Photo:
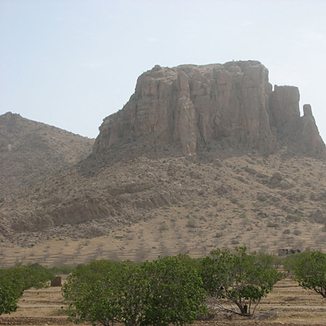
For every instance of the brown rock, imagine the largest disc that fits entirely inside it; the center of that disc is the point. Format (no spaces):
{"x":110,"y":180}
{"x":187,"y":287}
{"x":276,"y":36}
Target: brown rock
{"x":218,"y":163}
{"x":284,"y":107}
{"x":222,"y":190}
{"x":307,"y":112}
{"x":191,"y":106}
{"x":276,"y":179}
{"x":297,"y":232}
{"x":309,"y":138}
{"x":187,"y":109}
{"x":318,"y":216}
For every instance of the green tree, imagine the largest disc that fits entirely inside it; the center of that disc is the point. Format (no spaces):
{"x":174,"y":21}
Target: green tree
{"x":132,"y":293}
{"x":176,"y":295}
{"x":163,"y":292}
{"x":8,"y":299}
{"x":92,"y":293}
{"x":15,"y":280}
{"x":240,"y":278}
{"x":309,"y":270}
{"x":31,"y":275}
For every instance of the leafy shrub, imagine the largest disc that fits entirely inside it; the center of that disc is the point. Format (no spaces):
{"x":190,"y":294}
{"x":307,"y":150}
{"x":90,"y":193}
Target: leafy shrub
{"x":162,"y":292}
{"x":176,"y":292}
{"x":238,"y":277}
{"x":309,"y":270}
{"x":15,"y":280}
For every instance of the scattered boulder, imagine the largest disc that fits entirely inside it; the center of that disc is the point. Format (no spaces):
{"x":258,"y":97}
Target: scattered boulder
{"x":251,"y":171}
{"x":271,"y":224}
{"x":297,"y":232}
{"x":218,"y":163}
{"x":261,"y":175}
{"x":295,"y":196}
{"x":262,"y":214}
{"x":318,"y":197}
{"x":275,"y":179}
{"x":292,"y":218}
{"x":262,"y":197}
{"x":285,"y":185}
{"x":318,"y":216}
{"x":222,"y":190}
{"x":218,"y":234}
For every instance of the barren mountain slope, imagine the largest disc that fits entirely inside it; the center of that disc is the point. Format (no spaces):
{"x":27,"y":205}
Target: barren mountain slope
{"x":145,"y":208}
{"x":30,"y":150}
{"x":201,"y":156}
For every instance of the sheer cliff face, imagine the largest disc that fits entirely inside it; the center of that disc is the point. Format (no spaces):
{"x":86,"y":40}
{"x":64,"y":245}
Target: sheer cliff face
{"x":194,"y":107}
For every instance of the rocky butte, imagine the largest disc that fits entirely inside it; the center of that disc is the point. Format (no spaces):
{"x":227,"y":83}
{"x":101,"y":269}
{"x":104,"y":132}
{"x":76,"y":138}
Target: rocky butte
{"x":177,"y":123}
{"x":210,"y":110}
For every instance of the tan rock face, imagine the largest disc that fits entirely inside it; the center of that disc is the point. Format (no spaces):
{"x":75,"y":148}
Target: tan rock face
{"x":284,"y":107}
{"x":310,"y":140}
{"x":192,"y":107}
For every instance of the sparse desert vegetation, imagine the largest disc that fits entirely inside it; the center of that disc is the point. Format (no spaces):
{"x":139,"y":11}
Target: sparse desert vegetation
{"x":197,"y":214}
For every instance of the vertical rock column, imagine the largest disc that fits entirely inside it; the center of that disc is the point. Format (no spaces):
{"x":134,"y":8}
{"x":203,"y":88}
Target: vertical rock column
{"x":185,"y":129}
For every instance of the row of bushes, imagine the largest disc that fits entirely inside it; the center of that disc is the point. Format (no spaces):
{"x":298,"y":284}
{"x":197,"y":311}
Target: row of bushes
{"x":173,"y":290}
{"x":162,"y":292}
{"x":170,"y":290}
{"x":308,"y":268}
{"x":15,"y":280}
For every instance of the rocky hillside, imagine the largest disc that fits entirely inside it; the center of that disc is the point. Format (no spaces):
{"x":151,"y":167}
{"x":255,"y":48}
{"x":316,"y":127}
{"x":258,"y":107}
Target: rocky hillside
{"x":201,"y":156}
{"x":148,"y":207}
{"x":31,"y":150}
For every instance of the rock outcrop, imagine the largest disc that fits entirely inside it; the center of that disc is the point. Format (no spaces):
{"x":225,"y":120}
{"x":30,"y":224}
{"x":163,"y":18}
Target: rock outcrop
{"x":215,"y":107}
{"x":175,"y":142}
{"x":310,"y":140}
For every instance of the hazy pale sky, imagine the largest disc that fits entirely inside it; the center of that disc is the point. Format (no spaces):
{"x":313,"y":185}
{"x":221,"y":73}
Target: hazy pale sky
{"x":71,"y":63}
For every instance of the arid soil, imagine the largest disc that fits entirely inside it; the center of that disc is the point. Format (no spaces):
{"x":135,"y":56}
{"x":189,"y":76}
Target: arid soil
{"x":207,"y":206}
{"x":288,"y":304}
